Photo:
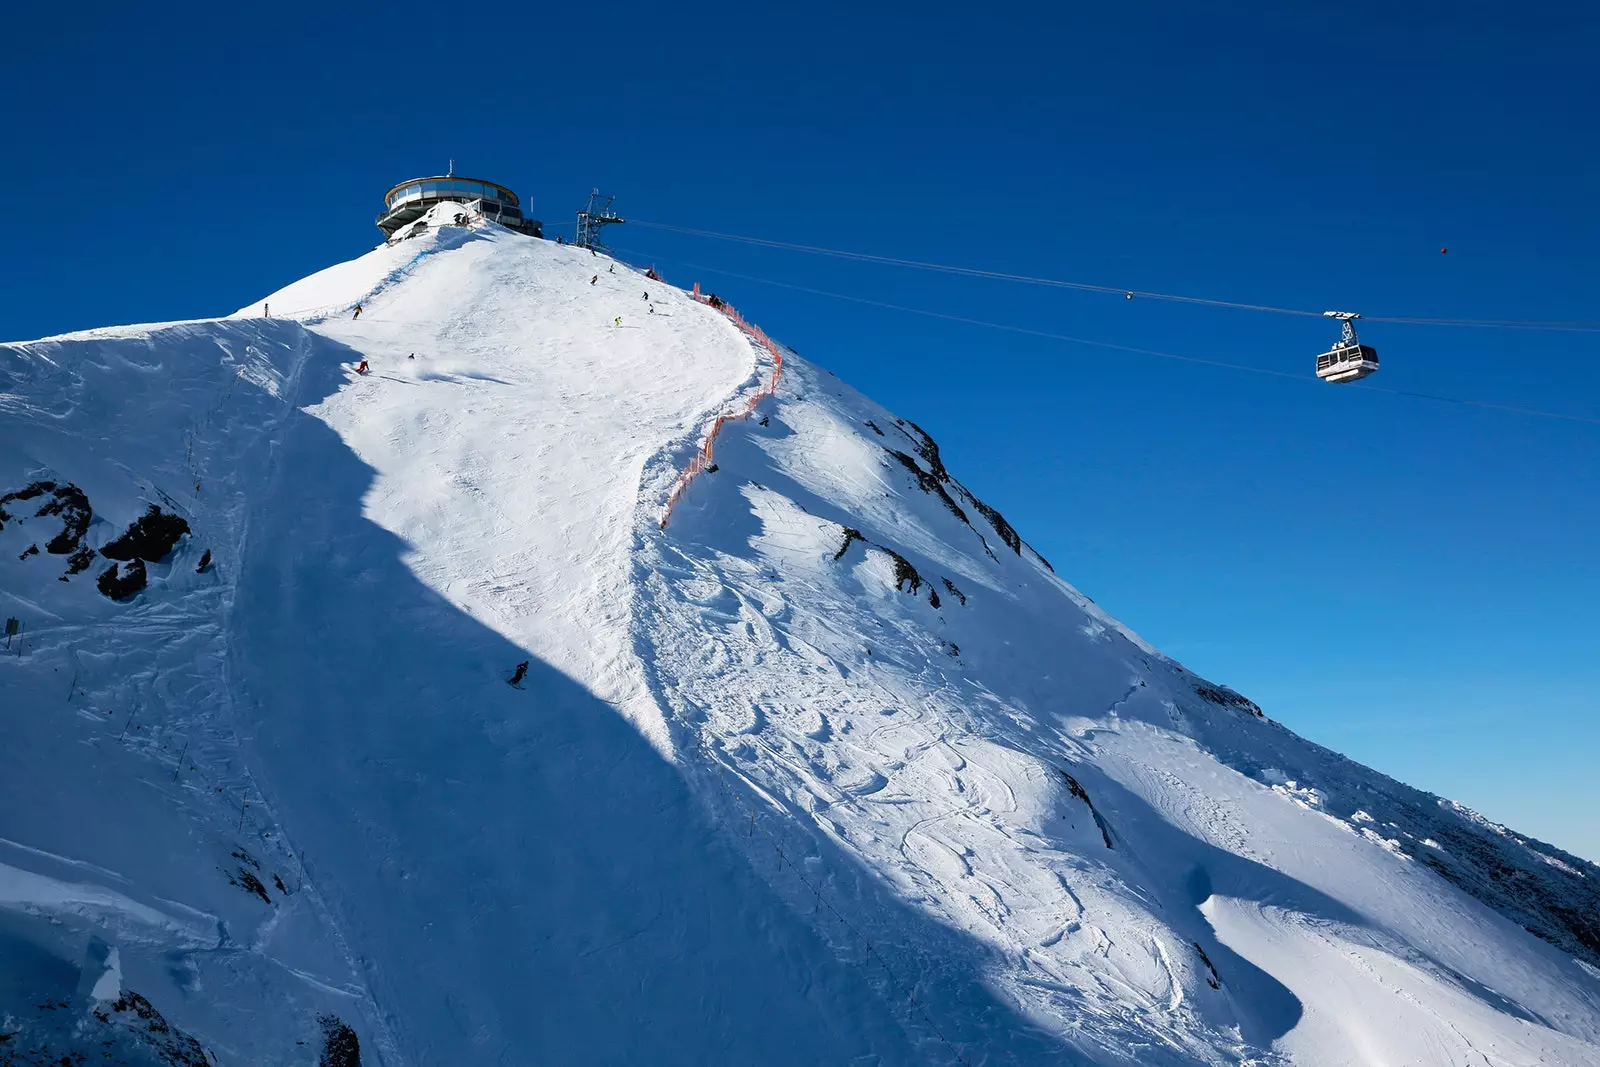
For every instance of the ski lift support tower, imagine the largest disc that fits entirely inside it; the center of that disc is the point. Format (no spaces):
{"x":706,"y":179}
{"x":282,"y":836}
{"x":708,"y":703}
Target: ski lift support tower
{"x":596,"y":217}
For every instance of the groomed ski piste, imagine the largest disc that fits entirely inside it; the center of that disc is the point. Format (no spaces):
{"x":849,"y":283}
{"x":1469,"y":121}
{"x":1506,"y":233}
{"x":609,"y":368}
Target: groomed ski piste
{"x":830,"y":768}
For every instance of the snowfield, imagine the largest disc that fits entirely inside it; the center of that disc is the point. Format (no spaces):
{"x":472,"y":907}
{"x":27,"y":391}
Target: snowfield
{"x":831,"y":769}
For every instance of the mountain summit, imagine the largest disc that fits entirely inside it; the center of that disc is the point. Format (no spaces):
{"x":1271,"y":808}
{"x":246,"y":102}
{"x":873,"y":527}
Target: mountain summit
{"x":824,"y":766}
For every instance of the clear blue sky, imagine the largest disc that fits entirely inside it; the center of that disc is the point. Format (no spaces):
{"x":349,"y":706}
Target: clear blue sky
{"x":1413,"y":583}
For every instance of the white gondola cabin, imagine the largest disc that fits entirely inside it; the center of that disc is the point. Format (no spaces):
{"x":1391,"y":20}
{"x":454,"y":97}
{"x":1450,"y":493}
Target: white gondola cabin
{"x":1349,"y":359}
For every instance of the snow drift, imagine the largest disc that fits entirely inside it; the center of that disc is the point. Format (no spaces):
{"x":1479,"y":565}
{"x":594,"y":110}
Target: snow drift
{"x":832,"y":769}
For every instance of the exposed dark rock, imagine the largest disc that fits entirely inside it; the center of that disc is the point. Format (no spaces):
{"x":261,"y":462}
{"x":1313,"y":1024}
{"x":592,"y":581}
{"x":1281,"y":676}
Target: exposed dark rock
{"x":937,"y":477}
{"x":851,"y":535}
{"x":906,"y":577}
{"x":928,"y":449}
{"x":874,"y":427}
{"x":1556,"y":903}
{"x":37,"y":489}
{"x":79,"y":561}
{"x":70,"y":505}
{"x":68,"y":502}
{"x":150,"y":538}
{"x":246,"y":879}
{"x":998,"y":521}
{"x":1078,"y":791}
{"x":1215,"y":982}
{"x":173,"y":1047}
{"x":125,"y":586}
{"x":31,"y":550}
{"x":340,"y":1046}
{"x":904,"y":572}
{"x":958,"y":594}
{"x":1222,"y":696}
{"x":205,"y":562}
{"x":930,"y":483}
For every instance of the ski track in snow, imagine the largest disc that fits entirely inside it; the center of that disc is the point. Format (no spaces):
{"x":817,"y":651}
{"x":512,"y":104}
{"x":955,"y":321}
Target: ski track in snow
{"x":926,"y":782}
{"x":753,"y":803}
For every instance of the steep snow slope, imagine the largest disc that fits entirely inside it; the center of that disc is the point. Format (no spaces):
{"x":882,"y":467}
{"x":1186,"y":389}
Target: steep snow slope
{"x":1142,"y":865}
{"x":462,"y":872}
{"x":831,"y":769}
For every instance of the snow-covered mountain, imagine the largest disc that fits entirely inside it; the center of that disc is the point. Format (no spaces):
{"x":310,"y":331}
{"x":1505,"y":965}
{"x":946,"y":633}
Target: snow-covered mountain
{"x":832,"y":768}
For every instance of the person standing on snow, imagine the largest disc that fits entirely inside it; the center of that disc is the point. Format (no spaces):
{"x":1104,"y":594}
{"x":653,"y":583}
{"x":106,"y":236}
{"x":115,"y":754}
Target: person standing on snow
{"x":357,"y":315}
{"x":519,"y":674}
{"x":361,"y":368}
{"x":594,"y":279}
{"x":618,"y":322}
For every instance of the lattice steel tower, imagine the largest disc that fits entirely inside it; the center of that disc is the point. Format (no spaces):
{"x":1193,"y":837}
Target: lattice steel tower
{"x":596,"y":217}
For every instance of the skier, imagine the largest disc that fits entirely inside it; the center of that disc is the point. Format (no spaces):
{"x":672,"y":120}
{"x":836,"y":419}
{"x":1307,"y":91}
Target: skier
{"x":618,"y":322}
{"x":266,"y":311}
{"x":357,"y":315}
{"x":412,"y":356}
{"x":647,"y":296}
{"x":560,"y":240}
{"x":611,"y":269}
{"x":361,"y":368}
{"x":594,"y":279}
{"x":520,"y":673}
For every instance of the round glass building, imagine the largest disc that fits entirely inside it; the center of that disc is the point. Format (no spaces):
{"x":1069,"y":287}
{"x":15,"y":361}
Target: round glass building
{"x":409,"y":200}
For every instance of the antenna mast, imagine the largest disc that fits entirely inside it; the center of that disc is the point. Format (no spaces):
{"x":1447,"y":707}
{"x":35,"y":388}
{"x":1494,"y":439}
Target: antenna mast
{"x":596,"y":216}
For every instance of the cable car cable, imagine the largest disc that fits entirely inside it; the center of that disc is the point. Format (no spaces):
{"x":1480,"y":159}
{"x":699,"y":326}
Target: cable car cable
{"x":973,"y":272}
{"x":1000,"y":325}
{"x":1510,"y":408}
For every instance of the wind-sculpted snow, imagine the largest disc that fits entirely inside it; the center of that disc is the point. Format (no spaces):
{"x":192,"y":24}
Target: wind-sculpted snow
{"x":834,"y":769}
{"x":1076,"y":810}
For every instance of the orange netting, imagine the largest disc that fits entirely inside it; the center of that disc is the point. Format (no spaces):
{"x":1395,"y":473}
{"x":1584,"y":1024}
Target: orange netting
{"x":702,"y":460}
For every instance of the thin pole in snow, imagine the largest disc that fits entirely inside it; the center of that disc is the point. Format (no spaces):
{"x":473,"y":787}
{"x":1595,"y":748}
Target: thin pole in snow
{"x":181,"y":757}
{"x":73,"y":688}
{"x":242,"y":808}
{"x":129,"y":723}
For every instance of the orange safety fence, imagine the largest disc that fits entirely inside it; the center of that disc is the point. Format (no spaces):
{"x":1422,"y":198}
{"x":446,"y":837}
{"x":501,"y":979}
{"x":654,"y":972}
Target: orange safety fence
{"x":703,"y":460}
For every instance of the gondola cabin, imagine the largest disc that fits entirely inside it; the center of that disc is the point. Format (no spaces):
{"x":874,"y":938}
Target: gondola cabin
{"x":1346,"y":363}
{"x":1349,"y":359}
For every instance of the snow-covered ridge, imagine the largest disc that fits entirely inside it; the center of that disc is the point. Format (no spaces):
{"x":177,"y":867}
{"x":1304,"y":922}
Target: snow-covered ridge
{"x":832,"y":769}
